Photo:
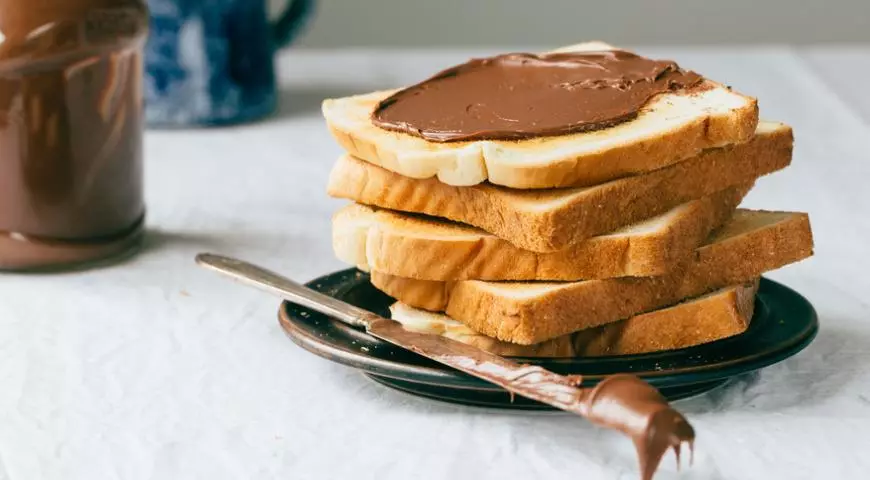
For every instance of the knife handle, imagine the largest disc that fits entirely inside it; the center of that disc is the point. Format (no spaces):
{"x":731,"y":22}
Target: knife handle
{"x":287,"y":289}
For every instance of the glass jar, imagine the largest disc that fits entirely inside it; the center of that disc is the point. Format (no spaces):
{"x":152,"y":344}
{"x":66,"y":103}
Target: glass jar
{"x":71,"y":124}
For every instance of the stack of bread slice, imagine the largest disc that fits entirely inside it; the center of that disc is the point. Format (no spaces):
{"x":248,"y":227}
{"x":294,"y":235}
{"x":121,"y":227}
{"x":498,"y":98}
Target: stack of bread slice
{"x":622,"y":240}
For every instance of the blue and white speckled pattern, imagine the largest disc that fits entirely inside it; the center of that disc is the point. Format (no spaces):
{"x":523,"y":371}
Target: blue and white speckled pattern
{"x":210,"y":61}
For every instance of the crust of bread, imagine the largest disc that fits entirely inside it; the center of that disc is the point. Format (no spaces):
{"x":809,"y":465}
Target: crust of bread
{"x":428,"y":248}
{"x":751,"y":243}
{"x":717,"y":315}
{"x":670,"y":128}
{"x":552,"y":220}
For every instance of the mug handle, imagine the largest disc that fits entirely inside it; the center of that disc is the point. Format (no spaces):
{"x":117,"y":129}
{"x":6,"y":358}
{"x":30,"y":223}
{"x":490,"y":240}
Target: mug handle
{"x":287,"y":26}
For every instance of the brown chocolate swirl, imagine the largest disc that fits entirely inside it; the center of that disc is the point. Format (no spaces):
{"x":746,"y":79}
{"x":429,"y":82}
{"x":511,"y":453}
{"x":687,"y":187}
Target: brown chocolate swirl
{"x":522,"y":95}
{"x":621,"y":402}
{"x":626,"y":403}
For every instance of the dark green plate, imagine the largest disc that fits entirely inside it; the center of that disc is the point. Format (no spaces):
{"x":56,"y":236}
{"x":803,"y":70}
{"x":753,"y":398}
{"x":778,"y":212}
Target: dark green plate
{"x":784,"y":323}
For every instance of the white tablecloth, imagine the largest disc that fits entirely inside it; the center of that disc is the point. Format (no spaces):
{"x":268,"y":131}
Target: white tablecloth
{"x":157,"y":369}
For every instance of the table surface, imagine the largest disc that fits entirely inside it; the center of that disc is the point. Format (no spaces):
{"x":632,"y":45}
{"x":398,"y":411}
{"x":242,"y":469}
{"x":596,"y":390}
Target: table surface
{"x":157,"y":369}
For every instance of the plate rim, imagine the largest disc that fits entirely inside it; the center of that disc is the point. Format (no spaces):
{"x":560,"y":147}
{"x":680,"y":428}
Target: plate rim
{"x":433,"y":375}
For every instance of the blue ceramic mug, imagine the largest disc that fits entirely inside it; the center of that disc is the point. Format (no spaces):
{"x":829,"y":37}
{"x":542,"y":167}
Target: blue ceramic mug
{"x":210,"y":62}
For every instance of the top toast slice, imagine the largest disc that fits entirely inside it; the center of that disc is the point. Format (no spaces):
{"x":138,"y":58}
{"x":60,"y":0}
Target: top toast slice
{"x":669,"y":128}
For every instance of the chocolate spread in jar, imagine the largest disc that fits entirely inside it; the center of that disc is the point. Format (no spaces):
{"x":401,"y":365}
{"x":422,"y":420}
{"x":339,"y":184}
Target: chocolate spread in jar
{"x":521,"y":95}
{"x":70,"y":130}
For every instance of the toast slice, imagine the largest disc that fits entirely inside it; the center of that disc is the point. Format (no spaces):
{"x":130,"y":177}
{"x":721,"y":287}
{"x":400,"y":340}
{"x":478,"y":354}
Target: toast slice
{"x":551,"y":220}
{"x":670,"y":128}
{"x":751,"y":243}
{"x":717,"y":315}
{"x":428,"y":248}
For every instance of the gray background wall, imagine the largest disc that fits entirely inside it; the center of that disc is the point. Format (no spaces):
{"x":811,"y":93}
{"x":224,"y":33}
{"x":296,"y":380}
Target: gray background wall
{"x":401,"y":23}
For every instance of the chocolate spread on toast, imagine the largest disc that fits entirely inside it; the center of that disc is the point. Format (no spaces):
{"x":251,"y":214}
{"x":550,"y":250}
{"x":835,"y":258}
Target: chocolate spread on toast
{"x":521,"y":95}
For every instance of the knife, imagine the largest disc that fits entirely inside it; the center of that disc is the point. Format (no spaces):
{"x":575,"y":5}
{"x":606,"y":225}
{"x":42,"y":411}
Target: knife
{"x":622,"y":402}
